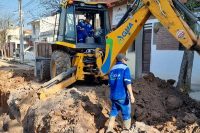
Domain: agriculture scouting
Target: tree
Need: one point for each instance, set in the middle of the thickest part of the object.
(50, 6)
(192, 4)
(185, 75)
(5, 22)
(3, 34)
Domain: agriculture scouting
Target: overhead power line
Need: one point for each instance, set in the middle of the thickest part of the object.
(25, 5)
(28, 3)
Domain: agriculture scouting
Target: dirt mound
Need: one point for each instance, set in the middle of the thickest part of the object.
(12, 79)
(159, 104)
(68, 111)
(158, 108)
(9, 81)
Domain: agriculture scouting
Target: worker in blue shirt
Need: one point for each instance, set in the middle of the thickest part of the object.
(88, 27)
(121, 94)
(81, 32)
(84, 30)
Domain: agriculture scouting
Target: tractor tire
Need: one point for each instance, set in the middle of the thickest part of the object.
(45, 70)
(60, 62)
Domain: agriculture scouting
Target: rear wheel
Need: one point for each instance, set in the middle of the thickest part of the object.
(60, 62)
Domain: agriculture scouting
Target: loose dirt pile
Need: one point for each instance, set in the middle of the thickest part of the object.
(12, 76)
(70, 110)
(158, 108)
(9, 81)
(158, 104)
(12, 79)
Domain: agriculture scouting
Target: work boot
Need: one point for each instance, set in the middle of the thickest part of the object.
(127, 124)
(111, 125)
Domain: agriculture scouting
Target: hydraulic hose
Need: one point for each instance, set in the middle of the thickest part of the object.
(130, 9)
(184, 9)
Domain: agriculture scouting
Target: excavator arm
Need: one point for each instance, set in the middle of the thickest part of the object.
(119, 40)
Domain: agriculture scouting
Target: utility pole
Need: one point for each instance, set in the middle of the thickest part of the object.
(21, 32)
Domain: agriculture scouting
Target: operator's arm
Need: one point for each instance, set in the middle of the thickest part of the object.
(127, 80)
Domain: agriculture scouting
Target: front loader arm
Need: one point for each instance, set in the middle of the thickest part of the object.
(119, 40)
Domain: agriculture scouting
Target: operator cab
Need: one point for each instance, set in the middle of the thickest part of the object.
(84, 25)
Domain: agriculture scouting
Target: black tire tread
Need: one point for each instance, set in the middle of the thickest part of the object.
(62, 61)
(45, 70)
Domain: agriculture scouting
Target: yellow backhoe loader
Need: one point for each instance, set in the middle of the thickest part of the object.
(74, 60)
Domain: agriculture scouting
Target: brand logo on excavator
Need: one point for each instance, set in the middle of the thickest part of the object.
(125, 33)
(180, 34)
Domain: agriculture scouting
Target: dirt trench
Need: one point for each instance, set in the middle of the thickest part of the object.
(11, 78)
(3, 102)
(159, 108)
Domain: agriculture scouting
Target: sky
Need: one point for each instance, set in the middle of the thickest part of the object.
(31, 10)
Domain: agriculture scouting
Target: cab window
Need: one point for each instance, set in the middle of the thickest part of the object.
(70, 25)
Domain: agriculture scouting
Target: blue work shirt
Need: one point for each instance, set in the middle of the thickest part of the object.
(81, 32)
(89, 29)
(84, 30)
(119, 78)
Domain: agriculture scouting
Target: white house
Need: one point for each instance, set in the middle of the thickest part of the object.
(13, 36)
(45, 29)
(13, 40)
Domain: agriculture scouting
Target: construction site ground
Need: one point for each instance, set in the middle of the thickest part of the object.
(84, 106)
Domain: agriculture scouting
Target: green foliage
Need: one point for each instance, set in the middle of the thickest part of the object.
(191, 4)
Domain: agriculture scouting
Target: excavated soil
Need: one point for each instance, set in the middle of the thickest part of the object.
(12, 76)
(10, 80)
(158, 108)
(160, 105)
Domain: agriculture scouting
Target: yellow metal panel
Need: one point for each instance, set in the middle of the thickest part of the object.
(66, 44)
(98, 56)
(119, 40)
(163, 11)
(78, 62)
(56, 88)
(190, 32)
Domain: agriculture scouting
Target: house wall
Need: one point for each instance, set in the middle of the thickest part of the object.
(47, 26)
(12, 44)
(36, 31)
(116, 12)
(43, 29)
(14, 37)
